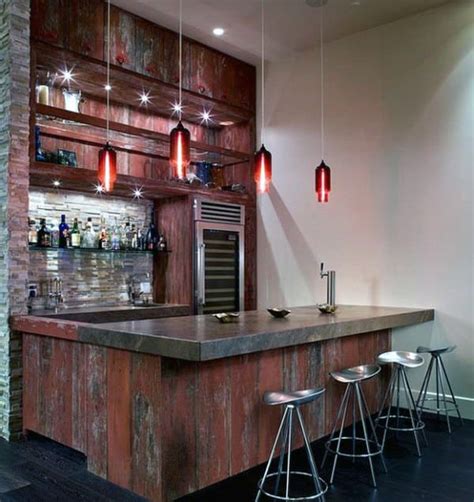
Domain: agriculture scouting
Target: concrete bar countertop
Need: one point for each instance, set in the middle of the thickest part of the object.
(202, 337)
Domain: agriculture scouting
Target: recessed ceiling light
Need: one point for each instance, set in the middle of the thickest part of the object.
(226, 123)
(218, 32)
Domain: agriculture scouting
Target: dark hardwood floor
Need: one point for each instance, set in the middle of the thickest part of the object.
(40, 470)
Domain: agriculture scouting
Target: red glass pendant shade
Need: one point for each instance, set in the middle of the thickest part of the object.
(263, 170)
(180, 150)
(323, 182)
(107, 167)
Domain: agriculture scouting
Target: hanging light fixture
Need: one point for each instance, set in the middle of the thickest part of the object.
(322, 172)
(180, 137)
(107, 172)
(263, 158)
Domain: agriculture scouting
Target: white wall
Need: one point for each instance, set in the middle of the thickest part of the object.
(399, 225)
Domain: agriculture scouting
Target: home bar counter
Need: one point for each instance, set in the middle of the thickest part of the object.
(165, 407)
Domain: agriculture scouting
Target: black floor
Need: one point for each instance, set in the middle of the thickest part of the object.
(40, 470)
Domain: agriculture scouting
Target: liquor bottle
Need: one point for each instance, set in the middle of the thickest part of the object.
(75, 235)
(89, 235)
(63, 232)
(54, 233)
(115, 238)
(162, 246)
(123, 235)
(134, 241)
(103, 235)
(151, 237)
(44, 237)
(32, 232)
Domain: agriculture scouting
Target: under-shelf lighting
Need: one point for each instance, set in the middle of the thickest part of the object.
(137, 193)
(108, 87)
(218, 32)
(99, 189)
(66, 75)
(206, 117)
(56, 183)
(144, 98)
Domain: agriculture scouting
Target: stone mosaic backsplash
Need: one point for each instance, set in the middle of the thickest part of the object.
(89, 277)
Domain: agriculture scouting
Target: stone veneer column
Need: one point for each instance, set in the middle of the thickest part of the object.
(14, 167)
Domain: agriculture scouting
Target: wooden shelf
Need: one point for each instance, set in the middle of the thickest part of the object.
(63, 124)
(42, 175)
(127, 86)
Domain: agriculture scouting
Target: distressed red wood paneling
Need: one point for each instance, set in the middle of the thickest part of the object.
(244, 403)
(212, 422)
(31, 371)
(119, 417)
(146, 429)
(85, 28)
(47, 21)
(96, 399)
(122, 38)
(179, 396)
(164, 427)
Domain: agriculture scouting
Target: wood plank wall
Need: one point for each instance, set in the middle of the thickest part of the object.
(163, 427)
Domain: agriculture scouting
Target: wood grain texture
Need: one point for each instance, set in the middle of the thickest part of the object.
(164, 427)
(119, 453)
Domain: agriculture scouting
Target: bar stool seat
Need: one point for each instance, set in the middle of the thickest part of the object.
(399, 422)
(347, 446)
(296, 398)
(356, 374)
(291, 402)
(428, 350)
(403, 358)
(444, 403)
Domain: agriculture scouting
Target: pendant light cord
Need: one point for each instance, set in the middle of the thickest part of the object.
(321, 49)
(108, 71)
(180, 59)
(263, 68)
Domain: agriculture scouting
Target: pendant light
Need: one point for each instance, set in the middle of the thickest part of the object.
(107, 172)
(263, 158)
(322, 172)
(180, 137)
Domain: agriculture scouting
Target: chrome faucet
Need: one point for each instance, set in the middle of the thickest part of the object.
(55, 294)
(331, 285)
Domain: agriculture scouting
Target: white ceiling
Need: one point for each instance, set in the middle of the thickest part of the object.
(291, 25)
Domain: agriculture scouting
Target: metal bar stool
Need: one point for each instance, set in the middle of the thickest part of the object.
(400, 360)
(292, 402)
(440, 374)
(353, 377)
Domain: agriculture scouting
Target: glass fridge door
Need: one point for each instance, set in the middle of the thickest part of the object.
(220, 270)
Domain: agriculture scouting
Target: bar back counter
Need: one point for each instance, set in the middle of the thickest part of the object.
(167, 406)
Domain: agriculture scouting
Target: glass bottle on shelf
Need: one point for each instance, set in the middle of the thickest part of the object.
(75, 234)
(54, 233)
(89, 235)
(162, 246)
(115, 239)
(32, 232)
(43, 237)
(134, 237)
(151, 237)
(63, 232)
(104, 242)
(123, 235)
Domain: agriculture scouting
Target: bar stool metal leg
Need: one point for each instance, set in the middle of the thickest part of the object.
(441, 396)
(450, 390)
(345, 446)
(291, 419)
(408, 394)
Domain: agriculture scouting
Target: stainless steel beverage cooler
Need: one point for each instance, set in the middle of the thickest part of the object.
(219, 257)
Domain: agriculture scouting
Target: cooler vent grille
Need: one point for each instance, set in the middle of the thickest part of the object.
(221, 213)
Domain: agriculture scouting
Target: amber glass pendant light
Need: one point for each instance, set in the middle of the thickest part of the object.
(322, 172)
(263, 158)
(107, 169)
(180, 137)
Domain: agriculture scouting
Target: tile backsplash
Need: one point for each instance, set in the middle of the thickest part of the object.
(89, 277)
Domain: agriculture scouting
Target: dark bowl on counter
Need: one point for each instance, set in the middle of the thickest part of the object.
(279, 313)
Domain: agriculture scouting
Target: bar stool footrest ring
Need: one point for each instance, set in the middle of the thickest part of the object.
(436, 410)
(323, 484)
(354, 455)
(418, 427)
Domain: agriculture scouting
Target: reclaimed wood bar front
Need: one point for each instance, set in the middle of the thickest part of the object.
(165, 407)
